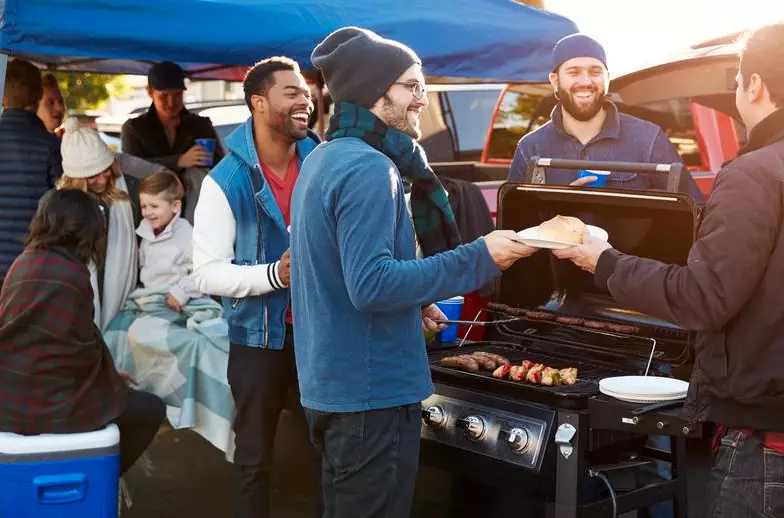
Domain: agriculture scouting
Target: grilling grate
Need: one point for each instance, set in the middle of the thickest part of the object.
(588, 373)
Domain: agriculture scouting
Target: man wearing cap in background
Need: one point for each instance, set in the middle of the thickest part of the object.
(358, 291)
(166, 134)
(30, 161)
(585, 125)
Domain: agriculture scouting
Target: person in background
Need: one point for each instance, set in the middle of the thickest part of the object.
(729, 293)
(51, 109)
(56, 373)
(585, 125)
(241, 253)
(89, 165)
(166, 249)
(361, 299)
(167, 132)
(30, 161)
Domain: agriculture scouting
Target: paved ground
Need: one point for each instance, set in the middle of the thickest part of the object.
(190, 478)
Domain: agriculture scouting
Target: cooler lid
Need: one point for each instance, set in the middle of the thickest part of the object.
(653, 224)
(14, 444)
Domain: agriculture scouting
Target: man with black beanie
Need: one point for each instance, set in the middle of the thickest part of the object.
(361, 298)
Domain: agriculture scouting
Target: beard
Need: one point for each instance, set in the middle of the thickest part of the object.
(396, 116)
(282, 123)
(581, 113)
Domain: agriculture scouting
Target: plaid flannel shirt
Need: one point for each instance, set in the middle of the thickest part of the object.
(56, 373)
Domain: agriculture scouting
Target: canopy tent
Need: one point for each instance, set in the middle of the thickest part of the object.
(457, 40)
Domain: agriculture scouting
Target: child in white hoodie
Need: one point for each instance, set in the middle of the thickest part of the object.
(166, 250)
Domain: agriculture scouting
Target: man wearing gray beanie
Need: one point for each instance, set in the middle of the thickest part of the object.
(585, 125)
(361, 298)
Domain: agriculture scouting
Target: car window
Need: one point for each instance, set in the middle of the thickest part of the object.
(519, 114)
(455, 124)
(675, 118)
(223, 131)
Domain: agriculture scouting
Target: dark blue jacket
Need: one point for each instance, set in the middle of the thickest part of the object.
(623, 138)
(30, 164)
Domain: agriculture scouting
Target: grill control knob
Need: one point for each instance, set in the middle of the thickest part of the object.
(434, 416)
(474, 427)
(517, 439)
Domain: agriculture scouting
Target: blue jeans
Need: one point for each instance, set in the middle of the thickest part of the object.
(746, 481)
(369, 460)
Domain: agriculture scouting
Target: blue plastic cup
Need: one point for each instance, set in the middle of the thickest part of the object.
(452, 309)
(209, 145)
(601, 176)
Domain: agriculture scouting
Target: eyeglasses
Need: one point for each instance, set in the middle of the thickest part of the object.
(418, 90)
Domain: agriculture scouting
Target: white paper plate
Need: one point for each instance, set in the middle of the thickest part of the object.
(632, 399)
(650, 387)
(530, 237)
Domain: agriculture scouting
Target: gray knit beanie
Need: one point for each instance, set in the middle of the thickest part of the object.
(359, 66)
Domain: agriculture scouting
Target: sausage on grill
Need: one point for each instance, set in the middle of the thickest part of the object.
(484, 362)
(623, 329)
(570, 321)
(497, 358)
(595, 324)
(539, 315)
(465, 363)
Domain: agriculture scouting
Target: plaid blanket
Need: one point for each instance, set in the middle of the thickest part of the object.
(434, 221)
(181, 357)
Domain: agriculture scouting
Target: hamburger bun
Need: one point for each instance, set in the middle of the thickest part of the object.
(562, 229)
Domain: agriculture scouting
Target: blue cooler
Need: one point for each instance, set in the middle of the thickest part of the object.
(60, 475)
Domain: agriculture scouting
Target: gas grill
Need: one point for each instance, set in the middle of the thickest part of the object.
(543, 447)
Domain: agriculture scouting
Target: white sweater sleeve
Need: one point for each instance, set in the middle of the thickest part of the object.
(214, 233)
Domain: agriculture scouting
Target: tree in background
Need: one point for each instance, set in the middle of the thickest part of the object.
(84, 91)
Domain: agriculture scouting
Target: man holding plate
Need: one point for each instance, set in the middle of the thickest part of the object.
(730, 294)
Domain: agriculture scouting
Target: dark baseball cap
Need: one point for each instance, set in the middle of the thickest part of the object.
(166, 76)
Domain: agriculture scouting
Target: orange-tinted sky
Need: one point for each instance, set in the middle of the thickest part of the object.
(638, 31)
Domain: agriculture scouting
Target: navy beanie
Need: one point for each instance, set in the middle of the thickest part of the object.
(577, 46)
(166, 76)
(359, 66)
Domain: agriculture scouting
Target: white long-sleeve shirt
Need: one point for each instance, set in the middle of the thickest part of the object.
(214, 234)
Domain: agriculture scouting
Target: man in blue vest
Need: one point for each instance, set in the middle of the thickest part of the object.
(30, 160)
(240, 252)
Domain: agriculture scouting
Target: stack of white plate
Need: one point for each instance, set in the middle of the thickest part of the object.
(644, 389)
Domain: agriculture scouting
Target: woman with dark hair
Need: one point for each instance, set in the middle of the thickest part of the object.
(56, 373)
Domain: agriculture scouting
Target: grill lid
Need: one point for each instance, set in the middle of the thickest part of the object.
(651, 224)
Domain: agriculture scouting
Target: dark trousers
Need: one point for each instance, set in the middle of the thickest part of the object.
(747, 480)
(262, 382)
(369, 460)
(138, 424)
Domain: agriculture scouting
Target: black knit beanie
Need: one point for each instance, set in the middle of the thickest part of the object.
(359, 66)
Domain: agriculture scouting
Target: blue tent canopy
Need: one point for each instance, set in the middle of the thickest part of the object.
(456, 39)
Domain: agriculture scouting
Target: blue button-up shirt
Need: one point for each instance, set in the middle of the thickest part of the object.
(623, 138)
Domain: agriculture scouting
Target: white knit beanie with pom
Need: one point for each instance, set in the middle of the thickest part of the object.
(84, 153)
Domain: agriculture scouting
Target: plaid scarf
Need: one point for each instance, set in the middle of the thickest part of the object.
(434, 221)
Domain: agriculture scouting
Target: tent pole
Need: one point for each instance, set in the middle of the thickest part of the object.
(3, 65)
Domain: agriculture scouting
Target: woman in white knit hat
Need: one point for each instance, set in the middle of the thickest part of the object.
(89, 165)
